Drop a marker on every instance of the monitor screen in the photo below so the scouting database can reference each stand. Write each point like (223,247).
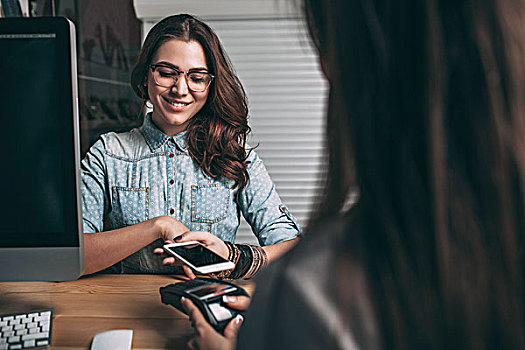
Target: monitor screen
(40,211)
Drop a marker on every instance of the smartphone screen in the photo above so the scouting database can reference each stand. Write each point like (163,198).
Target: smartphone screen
(198,255)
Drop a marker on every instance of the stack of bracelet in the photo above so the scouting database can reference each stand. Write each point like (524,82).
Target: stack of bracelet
(248,260)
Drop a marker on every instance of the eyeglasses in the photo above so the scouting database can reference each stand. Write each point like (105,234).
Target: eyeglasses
(166,76)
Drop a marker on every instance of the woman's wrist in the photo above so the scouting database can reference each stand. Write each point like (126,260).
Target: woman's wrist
(163,227)
(248,260)
(167,228)
(159,227)
(233,256)
(223,250)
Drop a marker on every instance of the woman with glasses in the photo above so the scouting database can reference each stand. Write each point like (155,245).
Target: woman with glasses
(186,173)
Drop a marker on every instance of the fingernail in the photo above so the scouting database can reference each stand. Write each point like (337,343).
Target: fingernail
(229,299)
(182,299)
(238,319)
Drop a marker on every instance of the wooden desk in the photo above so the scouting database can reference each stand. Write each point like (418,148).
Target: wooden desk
(94,304)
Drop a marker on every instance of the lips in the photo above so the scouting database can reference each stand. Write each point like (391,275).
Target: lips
(176,104)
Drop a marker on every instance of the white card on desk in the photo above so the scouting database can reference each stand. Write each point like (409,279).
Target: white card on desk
(117,339)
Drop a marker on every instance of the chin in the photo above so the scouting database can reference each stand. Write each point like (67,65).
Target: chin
(178,122)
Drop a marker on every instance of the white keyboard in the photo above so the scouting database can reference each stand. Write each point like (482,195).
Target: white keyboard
(26,330)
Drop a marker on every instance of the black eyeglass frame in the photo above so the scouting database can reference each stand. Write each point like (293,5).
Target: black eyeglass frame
(153,67)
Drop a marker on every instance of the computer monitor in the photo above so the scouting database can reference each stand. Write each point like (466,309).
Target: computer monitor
(41,236)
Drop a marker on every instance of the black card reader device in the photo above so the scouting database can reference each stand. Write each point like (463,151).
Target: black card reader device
(206,294)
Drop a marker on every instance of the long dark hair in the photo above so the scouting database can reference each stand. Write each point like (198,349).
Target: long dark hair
(216,135)
(428,104)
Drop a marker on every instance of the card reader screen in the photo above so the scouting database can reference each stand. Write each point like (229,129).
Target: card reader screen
(209,290)
(198,255)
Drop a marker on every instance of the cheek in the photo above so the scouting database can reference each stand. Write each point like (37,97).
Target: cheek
(150,88)
(154,94)
(203,98)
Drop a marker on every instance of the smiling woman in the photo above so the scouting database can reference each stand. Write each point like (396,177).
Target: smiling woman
(217,136)
(186,173)
(174,103)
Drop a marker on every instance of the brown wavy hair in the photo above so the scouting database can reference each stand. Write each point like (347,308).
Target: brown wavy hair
(216,135)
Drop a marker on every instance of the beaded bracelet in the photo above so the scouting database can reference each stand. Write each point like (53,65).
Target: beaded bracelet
(248,260)
(259,261)
(244,262)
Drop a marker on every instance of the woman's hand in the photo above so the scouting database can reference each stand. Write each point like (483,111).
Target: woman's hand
(169,228)
(212,242)
(207,337)
(104,250)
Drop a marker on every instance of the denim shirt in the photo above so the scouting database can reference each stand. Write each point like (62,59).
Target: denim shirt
(134,176)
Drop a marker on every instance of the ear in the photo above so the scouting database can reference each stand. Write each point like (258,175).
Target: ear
(145,90)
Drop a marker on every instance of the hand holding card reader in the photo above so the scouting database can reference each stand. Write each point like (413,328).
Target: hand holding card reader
(206,294)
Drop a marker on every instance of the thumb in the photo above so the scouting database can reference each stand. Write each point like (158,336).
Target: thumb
(232,329)
(237,302)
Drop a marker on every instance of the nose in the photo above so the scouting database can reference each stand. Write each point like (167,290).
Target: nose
(181,86)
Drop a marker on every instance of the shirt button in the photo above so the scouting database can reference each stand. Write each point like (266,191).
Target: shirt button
(172,211)
(171,155)
(171,181)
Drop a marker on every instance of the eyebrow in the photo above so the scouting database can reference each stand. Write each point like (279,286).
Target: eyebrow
(196,69)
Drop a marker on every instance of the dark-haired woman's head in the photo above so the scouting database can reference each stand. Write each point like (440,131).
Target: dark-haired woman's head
(184,72)
(427,101)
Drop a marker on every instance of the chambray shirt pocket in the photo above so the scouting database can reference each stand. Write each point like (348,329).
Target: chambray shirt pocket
(209,203)
(130,205)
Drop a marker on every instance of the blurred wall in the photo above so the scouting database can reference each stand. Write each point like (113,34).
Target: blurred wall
(108,43)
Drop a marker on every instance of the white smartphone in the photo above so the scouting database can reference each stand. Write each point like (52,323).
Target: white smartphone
(198,257)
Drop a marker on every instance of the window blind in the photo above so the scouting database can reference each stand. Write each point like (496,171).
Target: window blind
(287,94)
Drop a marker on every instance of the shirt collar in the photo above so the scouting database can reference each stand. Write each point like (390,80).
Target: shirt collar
(155,138)
(180,140)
